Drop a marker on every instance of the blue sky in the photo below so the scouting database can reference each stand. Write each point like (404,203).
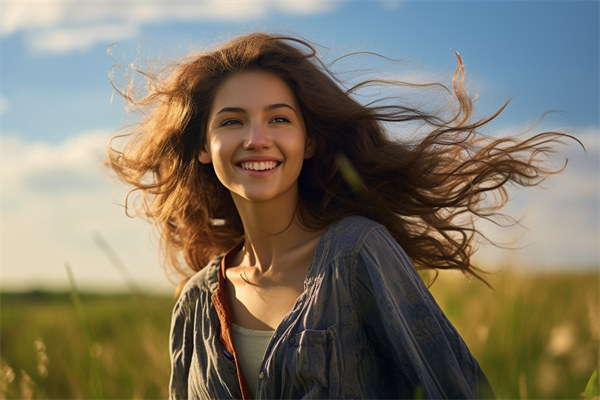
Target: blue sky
(56,110)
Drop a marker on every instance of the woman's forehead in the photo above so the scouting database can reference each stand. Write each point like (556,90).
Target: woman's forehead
(252,88)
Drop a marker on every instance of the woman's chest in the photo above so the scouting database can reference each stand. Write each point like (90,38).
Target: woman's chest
(261,303)
(262,309)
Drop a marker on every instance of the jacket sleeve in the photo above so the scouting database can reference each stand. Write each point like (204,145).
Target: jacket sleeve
(181,346)
(403,320)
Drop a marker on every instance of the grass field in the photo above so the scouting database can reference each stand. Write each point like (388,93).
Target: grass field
(536,336)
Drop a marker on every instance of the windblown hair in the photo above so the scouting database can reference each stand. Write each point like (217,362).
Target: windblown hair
(427,189)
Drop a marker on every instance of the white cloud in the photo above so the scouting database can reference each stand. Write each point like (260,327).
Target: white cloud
(23,15)
(561,219)
(55,197)
(305,7)
(68,39)
(60,26)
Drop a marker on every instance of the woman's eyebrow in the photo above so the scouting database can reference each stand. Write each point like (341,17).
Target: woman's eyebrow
(267,108)
(279,105)
(230,109)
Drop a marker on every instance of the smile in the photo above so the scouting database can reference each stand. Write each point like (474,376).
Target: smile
(258,165)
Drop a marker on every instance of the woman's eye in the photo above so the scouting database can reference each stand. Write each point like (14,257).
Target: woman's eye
(280,120)
(230,122)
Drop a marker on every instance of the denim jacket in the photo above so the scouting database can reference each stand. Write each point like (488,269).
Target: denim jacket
(365,326)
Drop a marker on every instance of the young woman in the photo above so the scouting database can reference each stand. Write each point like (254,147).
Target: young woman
(302,223)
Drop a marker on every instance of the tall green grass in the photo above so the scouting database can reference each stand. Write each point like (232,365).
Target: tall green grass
(128,346)
(536,336)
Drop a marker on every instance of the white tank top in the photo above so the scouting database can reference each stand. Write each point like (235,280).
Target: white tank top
(250,346)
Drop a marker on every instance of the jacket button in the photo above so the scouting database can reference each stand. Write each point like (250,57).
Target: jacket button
(292,340)
(261,376)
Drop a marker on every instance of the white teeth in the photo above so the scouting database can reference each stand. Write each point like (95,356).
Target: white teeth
(258,165)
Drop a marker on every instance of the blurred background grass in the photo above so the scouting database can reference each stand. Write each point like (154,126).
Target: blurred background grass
(536,336)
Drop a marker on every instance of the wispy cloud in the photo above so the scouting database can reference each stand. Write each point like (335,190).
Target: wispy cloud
(63,40)
(560,220)
(55,197)
(62,26)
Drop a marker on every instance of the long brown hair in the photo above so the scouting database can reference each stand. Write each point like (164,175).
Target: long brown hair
(427,189)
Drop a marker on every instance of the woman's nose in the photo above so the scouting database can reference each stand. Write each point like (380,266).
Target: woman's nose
(257,137)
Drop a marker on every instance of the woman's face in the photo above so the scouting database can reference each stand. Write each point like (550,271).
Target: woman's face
(256,138)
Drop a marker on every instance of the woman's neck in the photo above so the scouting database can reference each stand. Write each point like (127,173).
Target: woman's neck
(273,233)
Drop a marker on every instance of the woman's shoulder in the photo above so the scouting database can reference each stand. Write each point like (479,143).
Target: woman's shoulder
(204,281)
(353,231)
(353,235)
(355,221)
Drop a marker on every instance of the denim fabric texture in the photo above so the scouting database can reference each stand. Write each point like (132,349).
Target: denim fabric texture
(365,326)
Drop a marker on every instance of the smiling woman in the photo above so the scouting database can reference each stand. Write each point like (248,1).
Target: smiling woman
(302,224)
(256,131)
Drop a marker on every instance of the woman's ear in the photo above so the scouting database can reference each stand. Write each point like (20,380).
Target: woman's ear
(204,157)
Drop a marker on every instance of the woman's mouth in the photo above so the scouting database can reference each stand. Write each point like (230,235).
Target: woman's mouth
(258,165)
